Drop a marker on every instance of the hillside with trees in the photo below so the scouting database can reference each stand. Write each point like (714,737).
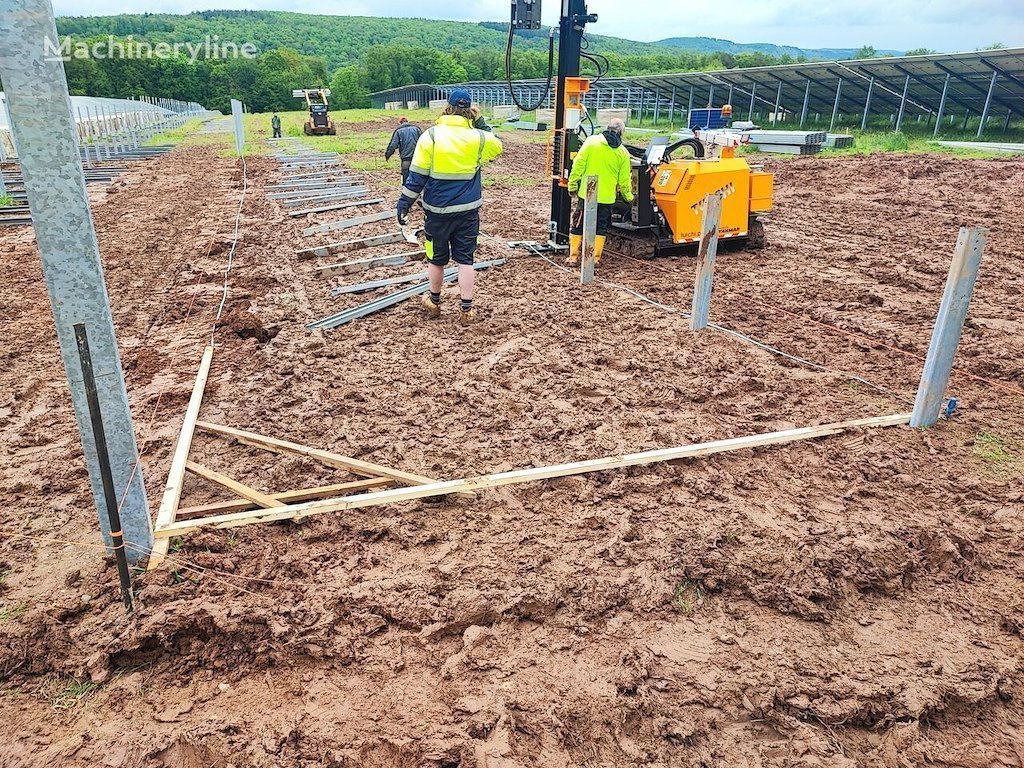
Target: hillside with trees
(354,55)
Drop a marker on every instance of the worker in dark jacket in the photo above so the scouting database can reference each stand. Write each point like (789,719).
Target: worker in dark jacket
(404,141)
(275,123)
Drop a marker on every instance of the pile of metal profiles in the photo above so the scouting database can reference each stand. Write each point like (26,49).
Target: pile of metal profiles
(314,181)
(391,299)
(14,187)
(787,142)
(986,146)
(838,141)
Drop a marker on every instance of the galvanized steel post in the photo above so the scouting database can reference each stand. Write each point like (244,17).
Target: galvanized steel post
(835,107)
(701,308)
(949,325)
(753,94)
(807,98)
(236,112)
(988,103)
(942,105)
(903,104)
(778,104)
(867,104)
(40,108)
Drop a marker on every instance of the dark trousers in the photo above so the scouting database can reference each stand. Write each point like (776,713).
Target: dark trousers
(406,165)
(604,219)
(451,237)
(277,133)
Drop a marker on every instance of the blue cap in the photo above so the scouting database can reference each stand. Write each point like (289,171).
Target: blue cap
(460,98)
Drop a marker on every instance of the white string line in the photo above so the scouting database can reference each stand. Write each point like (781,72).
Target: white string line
(231,252)
(730,331)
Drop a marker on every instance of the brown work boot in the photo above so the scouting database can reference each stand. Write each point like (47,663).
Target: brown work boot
(467,317)
(432,307)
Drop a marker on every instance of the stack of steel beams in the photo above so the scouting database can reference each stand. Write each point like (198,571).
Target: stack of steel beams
(787,142)
(838,141)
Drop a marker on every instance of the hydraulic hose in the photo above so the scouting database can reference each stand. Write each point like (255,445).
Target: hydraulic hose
(508,71)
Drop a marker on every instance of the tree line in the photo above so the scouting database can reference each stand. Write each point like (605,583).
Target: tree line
(265,82)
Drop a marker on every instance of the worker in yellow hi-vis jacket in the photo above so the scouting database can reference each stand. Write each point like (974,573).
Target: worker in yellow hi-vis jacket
(605,157)
(446,172)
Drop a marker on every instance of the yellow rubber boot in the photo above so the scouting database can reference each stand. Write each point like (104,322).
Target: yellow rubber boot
(575,246)
(599,242)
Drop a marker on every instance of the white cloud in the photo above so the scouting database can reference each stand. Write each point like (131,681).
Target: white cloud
(946,25)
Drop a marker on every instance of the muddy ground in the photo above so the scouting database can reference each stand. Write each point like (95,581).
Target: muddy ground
(854,601)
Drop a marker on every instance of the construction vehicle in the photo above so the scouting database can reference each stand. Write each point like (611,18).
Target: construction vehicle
(669,192)
(668,204)
(319,122)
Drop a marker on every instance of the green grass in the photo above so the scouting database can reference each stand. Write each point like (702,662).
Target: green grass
(689,596)
(65,694)
(995,450)
(10,612)
(176,135)
(6,200)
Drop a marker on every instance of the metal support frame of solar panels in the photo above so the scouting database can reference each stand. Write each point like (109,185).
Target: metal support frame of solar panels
(940,86)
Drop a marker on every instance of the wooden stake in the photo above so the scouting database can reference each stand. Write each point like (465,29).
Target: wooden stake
(303,494)
(176,476)
(274,445)
(298,511)
(258,498)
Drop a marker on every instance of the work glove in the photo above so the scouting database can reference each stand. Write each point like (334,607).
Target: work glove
(403,217)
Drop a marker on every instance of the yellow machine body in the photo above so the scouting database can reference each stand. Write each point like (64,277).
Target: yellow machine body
(680,187)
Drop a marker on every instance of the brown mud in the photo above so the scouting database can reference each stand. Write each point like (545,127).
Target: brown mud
(854,601)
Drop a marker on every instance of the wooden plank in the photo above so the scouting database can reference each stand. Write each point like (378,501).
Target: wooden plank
(275,445)
(589,230)
(176,475)
(298,511)
(302,494)
(361,265)
(949,326)
(701,309)
(258,498)
(358,221)
(351,245)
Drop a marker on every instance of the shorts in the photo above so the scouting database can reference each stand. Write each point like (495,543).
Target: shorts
(452,236)
(604,219)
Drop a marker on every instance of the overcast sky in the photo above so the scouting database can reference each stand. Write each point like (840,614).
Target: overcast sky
(945,25)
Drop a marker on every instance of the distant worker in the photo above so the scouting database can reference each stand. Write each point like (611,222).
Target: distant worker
(275,123)
(446,170)
(404,140)
(605,157)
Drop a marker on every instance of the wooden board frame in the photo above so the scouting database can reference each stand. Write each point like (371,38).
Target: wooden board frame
(299,511)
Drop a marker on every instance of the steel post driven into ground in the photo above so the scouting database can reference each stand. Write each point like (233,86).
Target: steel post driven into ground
(701,309)
(807,98)
(903,104)
(949,325)
(835,107)
(589,230)
(237,114)
(988,103)
(778,105)
(40,109)
(942,106)
(753,96)
(867,104)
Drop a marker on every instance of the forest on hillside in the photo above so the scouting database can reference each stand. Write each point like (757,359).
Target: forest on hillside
(355,56)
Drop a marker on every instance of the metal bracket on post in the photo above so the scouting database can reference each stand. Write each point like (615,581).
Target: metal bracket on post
(236,112)
(42,123)
(589,231)
(949,325)
(701,308)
